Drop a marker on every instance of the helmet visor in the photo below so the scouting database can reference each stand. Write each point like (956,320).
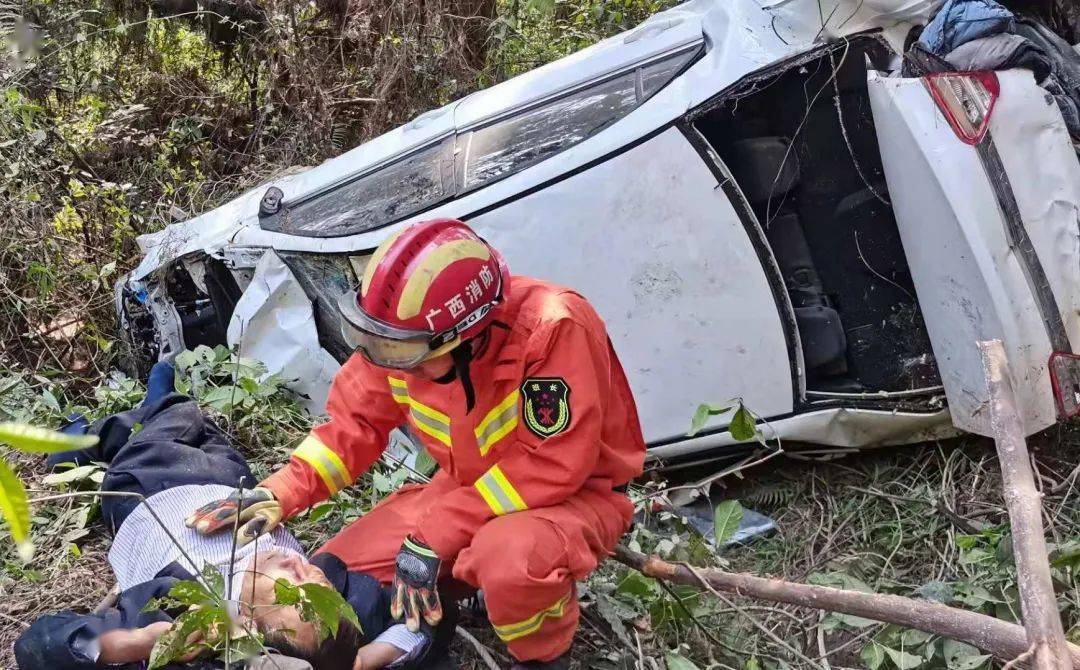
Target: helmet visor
(382,344)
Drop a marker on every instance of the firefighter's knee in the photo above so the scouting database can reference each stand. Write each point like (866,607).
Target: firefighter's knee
(516,550)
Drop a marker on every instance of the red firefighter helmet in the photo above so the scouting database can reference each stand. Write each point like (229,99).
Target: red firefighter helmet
(425,290)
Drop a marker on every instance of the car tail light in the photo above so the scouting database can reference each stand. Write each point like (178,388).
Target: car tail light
(966,99)
(1065,378)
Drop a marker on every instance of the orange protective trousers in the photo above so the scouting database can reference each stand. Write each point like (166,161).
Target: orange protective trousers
(526,563)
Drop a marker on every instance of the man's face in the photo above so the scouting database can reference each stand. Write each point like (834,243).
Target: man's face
(258,592)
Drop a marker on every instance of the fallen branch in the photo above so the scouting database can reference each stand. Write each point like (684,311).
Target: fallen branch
(1024,502)
(1005,641)
(481,650)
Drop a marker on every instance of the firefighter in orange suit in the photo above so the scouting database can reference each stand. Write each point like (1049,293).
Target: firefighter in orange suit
(513,387)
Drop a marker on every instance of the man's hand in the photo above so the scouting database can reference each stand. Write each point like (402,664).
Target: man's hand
(414,592)
(122,646)
(257,508)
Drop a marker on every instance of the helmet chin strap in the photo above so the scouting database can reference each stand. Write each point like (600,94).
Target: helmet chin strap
(462,356)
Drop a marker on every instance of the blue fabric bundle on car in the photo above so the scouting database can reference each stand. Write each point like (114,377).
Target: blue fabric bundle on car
(961,21)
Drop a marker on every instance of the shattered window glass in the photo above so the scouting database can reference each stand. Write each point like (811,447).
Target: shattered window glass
(529,137)
(394,192)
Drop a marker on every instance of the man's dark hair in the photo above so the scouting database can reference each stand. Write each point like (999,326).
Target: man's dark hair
(335,653)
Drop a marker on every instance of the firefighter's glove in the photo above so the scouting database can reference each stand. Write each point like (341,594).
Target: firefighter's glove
(414,589)
(258,511)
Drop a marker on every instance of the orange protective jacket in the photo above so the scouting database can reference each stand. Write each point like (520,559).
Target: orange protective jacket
(553,415)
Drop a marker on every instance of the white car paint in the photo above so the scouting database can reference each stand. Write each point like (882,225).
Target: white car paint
(970,282)
(274,323)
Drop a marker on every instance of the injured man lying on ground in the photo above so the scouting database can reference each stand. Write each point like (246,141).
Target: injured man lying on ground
(168,451)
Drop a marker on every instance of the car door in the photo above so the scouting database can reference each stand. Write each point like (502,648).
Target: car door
(654,243)
(985,185)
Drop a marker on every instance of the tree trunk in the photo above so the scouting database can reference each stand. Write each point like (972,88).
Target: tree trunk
(475,17)
(1038,604)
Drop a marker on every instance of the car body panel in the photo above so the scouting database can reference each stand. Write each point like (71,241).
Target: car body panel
(274,322)
(971,283)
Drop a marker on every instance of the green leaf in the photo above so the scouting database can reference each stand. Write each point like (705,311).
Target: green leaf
(702,414)
(937,591)
(607,610)
(913,638)
(286,594)
(173,642)
(1066,556)
(425,464)
(15,510)
(676,661)
(319,511)
(185,359)
(41,440)
(903,660)
(224,398)
(963,656)
(742,425)
(71,476)
(212,576)
(637,584)
(545,7)
(853,621)
(726,520)
(191,593)
(329,607)
(872,655)
(381,482)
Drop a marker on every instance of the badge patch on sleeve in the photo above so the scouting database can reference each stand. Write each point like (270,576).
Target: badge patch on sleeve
(547,405)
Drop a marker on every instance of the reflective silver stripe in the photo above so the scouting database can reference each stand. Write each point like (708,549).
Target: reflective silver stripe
(328,464)
(491,485)
(429,422)
(498,423)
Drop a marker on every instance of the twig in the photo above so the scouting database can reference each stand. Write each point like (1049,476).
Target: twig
(481,650)
(843,129)
(957,520)
(355,101)
(108,601)
(640,656)
(17,622)
(822,651)
(1022,658)
(757,624)
(875,272)
(1058,488)
(745,464)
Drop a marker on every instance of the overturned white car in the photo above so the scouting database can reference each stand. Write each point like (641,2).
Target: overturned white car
(759,205)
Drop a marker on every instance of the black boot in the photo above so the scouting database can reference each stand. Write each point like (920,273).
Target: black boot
(560,663)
